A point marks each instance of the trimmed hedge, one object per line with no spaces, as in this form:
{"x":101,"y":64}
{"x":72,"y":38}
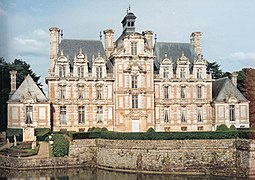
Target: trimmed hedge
{"x":60,"y":145}
{"x":42,"y":134}
{"x":165,"y":135}
{"x":10,"y":132}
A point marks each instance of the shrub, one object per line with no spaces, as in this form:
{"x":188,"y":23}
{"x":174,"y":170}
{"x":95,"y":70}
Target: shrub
{"x":252,"y":127}
{"x":150,"y":130}
{"x":97,"y":129}
{"x":60,"y":145}
{"x":104,"y":129}
{"x":42,"y":134}
{"x":222,"y":127}
{"x":10,"y":132}
{"x":232,"y":128}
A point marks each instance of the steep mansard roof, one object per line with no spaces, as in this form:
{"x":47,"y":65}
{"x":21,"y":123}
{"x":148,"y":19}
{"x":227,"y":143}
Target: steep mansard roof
{"x":173,"y":51}
{"x":223,"y":88}
{"x":71,"y":47}
{"x":28,"y":88}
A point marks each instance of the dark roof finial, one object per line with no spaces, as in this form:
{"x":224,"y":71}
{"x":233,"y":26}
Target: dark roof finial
{"x":129,"y":7}
{"x":100,"y":35}
{"x":61,"y":33}
{"x":155,"y":38}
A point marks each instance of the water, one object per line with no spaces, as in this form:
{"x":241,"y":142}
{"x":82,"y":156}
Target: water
{"x":94,"y":174}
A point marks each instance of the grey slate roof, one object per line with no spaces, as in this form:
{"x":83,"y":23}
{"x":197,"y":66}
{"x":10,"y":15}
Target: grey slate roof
{"x":28,"y":86}
{"x":174,"y":51}
{"x":70,"y":47}
{"x":223,"y":88}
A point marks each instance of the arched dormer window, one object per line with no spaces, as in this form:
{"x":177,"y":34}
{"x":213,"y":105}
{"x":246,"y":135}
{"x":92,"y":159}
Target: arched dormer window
{"x":62,"y":71}
{"x":99,"y":72}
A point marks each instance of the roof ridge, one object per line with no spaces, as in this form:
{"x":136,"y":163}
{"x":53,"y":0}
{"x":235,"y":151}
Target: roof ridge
{"x":172,"y":42}
{"x":81,"y":40}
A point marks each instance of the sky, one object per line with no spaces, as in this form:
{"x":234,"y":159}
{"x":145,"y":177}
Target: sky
{"x":227,"y":25}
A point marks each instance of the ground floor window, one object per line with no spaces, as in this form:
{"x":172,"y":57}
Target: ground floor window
{"x":99,"y":114}
{"x":232,"y":112}
{"x":166,"y":115}
{"x":81,"y":114}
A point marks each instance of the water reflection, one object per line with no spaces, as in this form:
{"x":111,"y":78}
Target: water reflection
{"x":93,"y":174}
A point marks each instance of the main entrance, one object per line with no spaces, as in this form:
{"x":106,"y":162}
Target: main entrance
{"x":135,"y":126}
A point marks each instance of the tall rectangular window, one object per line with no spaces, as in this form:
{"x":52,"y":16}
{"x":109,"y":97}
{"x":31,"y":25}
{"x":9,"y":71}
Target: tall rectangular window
{"x":183,"y":92}
{"x":134,"y":81}
{"x":166,"y":93}
{"x":62,"y":114}
{"x":134,"y":101}
{"x":99,"y":72}
{"x":232,"y":112}
{"x":29,"y":114}
{"x":133,"y":48}
{"x":199,"y":92}
{"x":166,"y":115}
{"x":80,"y":71}
{"x":62,"y":92}
{"x":183,"y":115}
{"x":80,"y":93}
{"x":99,"y":92}
{"x":199,"y":73}
{"x":199,"y":114}
{"x":182,"y":73}
{"x":81,"y":114}
{"x":165,"y":73}
{"x":99,"y":114}
{"x":62,"y":71}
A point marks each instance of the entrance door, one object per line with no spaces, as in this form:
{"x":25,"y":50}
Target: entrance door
{"x":135,"y":126}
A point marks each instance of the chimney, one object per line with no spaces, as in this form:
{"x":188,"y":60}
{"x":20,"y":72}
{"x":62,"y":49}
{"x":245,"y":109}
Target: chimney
{"x":108,"y":41}
{"x":148,"y":36}
{"x":195,"y":40}
{"x":234,"y":78}
{"x":13,"y":81}
{"x":54,"y":44}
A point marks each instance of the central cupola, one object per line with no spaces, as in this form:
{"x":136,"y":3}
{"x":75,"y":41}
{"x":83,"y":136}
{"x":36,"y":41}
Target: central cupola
{"x":128,"y":22}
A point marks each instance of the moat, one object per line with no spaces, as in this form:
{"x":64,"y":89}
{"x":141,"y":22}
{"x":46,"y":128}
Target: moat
{"x":95,"y":174}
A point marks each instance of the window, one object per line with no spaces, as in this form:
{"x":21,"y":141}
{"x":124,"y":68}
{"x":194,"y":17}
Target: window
{"x":133,"y":48}
{"x":99,"y":72}
{"x":62,"y":115}
{"x":200,"y":128}
{"x":166,"y":94}
{"x":62,"y":71}
{"x":134,"y":82}
{"x":184,"y":128}
{"x":182,"y":73}
{"x":81,"y":115}
{"x":166,"y":115}
{"x":99,"y":114}
{"x":80,"y":71}
{"x":134,"y":101}
{"x":232,"y":112}
{"x":199,"y":73}
{"x":99,"y":92}
{"x":183,"y":92}
{"x":199,"y":92}
{"x":62,"y":92}
{"x":29,"y":114}
{"x":199,"y":114}
{"x":80,"y":93}
{"x":183,"y":115}
{"x":165,"y":73}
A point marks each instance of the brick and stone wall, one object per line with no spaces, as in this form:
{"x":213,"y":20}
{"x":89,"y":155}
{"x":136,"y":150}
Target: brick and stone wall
{"x":227,"y":157}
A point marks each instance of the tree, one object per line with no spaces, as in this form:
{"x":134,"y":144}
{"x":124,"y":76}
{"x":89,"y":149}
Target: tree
{"x":214,"y":68}
{"x":23,"y":69}
{"x":249,"y":85}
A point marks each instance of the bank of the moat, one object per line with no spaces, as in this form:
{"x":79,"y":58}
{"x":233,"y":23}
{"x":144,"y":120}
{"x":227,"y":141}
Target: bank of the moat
{"x":228,"y":157}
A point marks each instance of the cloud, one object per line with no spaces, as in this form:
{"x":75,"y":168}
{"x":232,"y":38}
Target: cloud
{"x":238,"y":60}
{"x":35,"y":43}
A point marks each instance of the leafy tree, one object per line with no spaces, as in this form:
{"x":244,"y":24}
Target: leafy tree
{"x":214,"y":68}
{"x":23,"y":69}
{"x":240,"y":80}
{"x":249,"y":85}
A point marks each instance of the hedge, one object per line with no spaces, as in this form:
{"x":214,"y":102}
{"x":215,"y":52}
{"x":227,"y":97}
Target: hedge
{"x":11,"y":132}
{"x":165,"y":135}
{"x":60,"y":145}
{"x":42,"y":134}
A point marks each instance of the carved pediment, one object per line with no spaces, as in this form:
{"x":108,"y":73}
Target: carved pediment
{"x":135,"y":114}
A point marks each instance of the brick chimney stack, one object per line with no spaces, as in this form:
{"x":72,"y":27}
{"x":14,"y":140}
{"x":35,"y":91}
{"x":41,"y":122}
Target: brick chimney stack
{"x":195,"y":40}
{"x":108,"y":41}
{"x":234,"y":78}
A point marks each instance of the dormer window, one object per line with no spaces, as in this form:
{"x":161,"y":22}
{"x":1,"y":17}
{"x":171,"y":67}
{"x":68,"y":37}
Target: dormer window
{"x":99,"y":72}
{"x":182,"y":73}
{"x":133,"y":48}
{"x":232,"y":112}
{"x":199,"y":73}
{"x":80,"y":71}
{"x":62,"y":71}
{"x":165,"y":73}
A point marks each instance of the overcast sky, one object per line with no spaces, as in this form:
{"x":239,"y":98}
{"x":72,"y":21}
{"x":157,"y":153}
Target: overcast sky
{"x":228,"y":26}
